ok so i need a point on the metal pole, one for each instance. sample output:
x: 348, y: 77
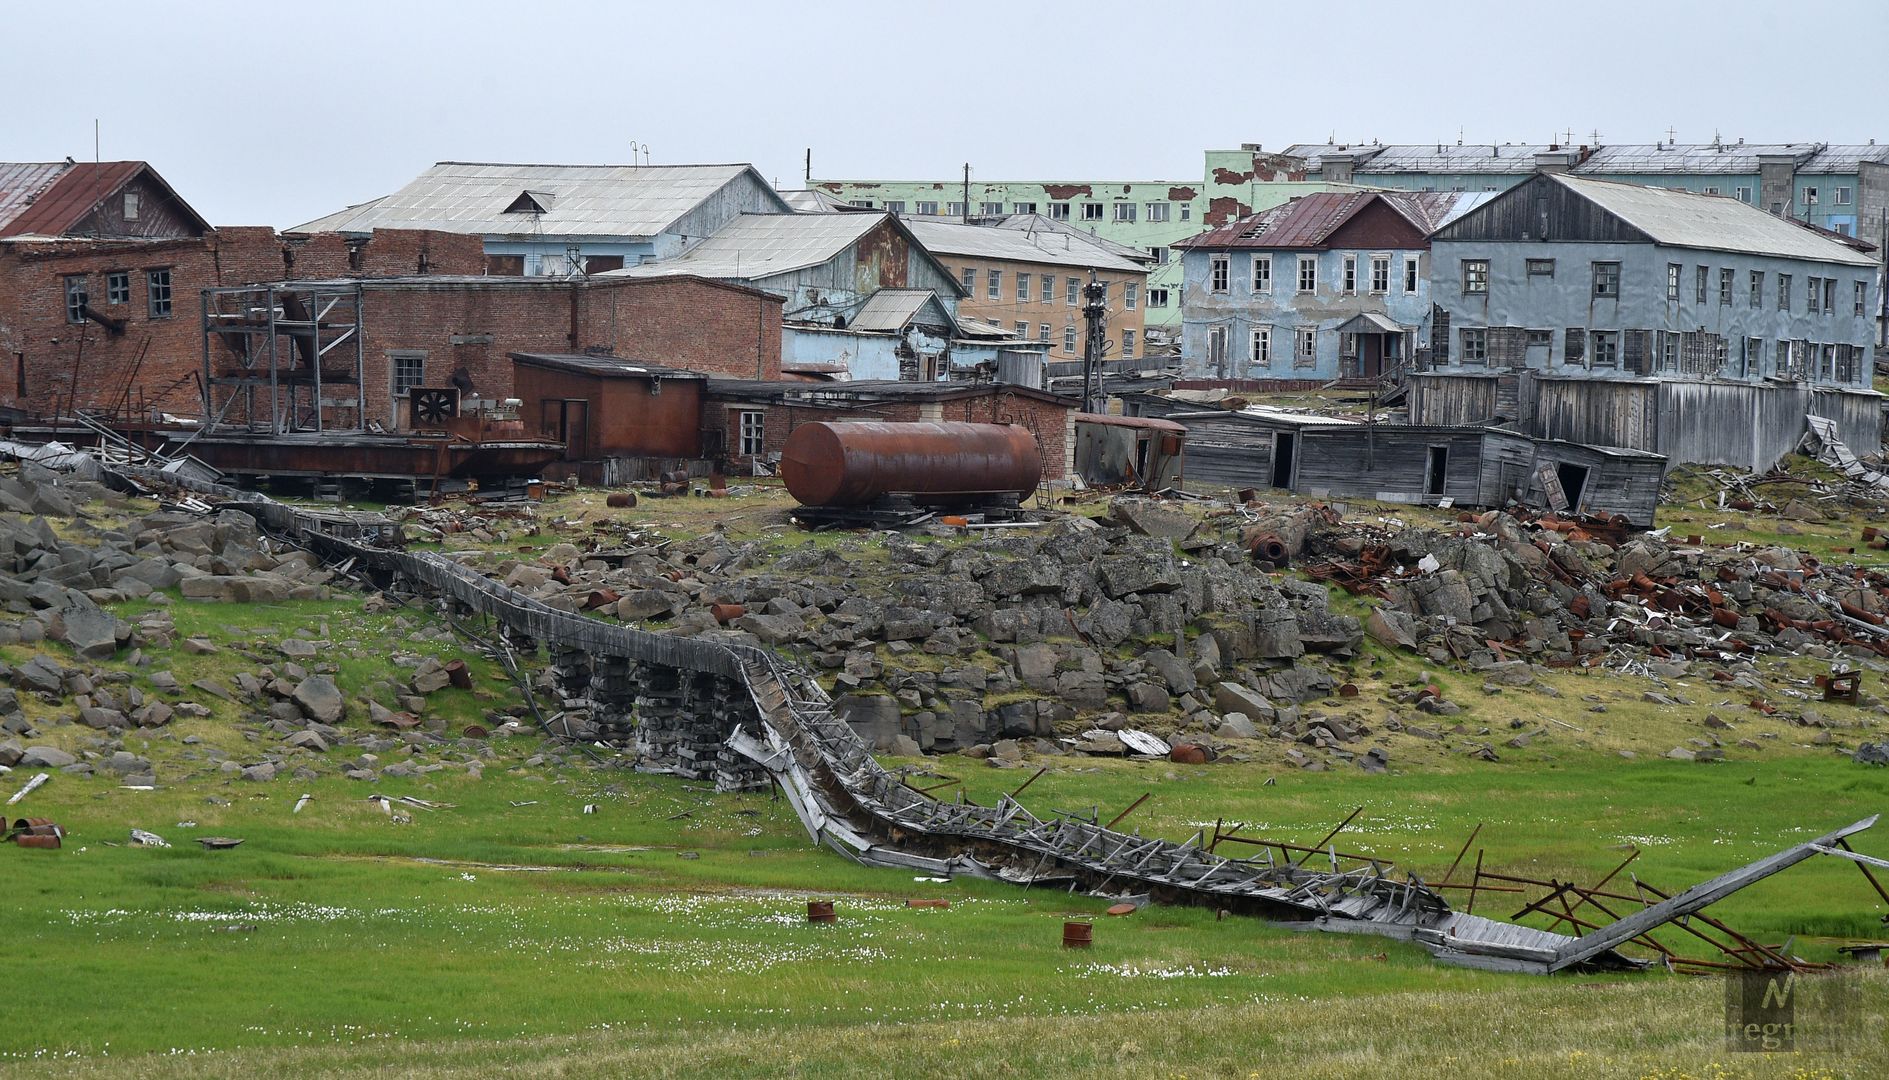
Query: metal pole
x: 275, y: 391
x: 203, y: 295
x: 1093, y: 315
x: 314, y: 333
x: 967, y: 193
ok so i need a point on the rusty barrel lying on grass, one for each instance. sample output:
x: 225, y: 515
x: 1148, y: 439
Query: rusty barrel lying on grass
x: 1078, y: 935
x: 821, y: 911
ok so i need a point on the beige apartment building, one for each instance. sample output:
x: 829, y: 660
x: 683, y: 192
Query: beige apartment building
x: 1029, y: 280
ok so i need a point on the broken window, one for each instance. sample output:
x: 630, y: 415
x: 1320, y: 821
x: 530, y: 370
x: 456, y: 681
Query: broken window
x: 1633, y: 350
x: 1072, y: 291
x: 1862, y: 298
x: 1606, y: 348
x: 1475, y: 346
x: 1022, y: 330
x: 1725, y: 276
x: 1059, y: 211
x: 1699, y: 274
x: 1092, y: 211
x: 1350, y: 266
x: 76, y: 298
x: 157, y: 291
x: 1157, y: 298
x: 118, y: 287
x: 926, y: 208
x: 1757, y: 288
x: 991, y: 209
x: 895, y: 206
x: 1540, y: 268
x: 1306, y: 352
x: 1575, y: 345
x: 1217, y: 274
x: 1157, y: 211
x: 1308, y: 273
x: 1262, y: 346
x: 751, y: 428
x: 1607, y: 279
x: 1830, y: 296
x: 1023, y: 207
x: 1475, y: 275
x: 954, y: 209
x: 1410, y: 273
x: 1128, y: 343
x: 1540, y: 339
x: 1783, y: 359
x: 1217, y: 349
x: 1124, y: 211
x: 1262, y: 273
x: 1784, y: 292
x: 970, y: 280
x: 1672, y: 281
x: 131, y: 206
x: 1751, y: 360
x: 1380, y: 273
x: 1813, y: 292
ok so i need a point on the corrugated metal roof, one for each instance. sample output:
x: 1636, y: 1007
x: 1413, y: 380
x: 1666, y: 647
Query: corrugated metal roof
x: 1687, y: 159
x: 1626, y: 159
x: 1711, y: 222
x: 987, y: 242
x: 1308, y: 221
x: 1039, y: 224
x: 614, y: 201
x: 756, y: 246
x: 21, y: 182
x: 1845, y: 158
x: 74, y: 193
x: 809, y: 201
x: 892, y: 309
x: 608, y: 366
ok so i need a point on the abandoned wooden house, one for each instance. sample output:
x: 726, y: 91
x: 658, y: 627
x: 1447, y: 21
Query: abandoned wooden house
x: 1696, y: 326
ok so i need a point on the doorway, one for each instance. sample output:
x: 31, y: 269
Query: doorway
x: 1436, y: 470
x: 1282, y: 450
x: 1573, y: 482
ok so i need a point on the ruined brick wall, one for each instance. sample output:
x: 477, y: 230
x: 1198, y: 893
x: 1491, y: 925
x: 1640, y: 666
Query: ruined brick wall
x: 685, y: 323
x: 49, y: 364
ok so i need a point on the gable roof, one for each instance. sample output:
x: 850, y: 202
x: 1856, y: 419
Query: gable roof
x: 755, y: 246
x: 1309, y: 221
x: 1676, y: 218
x: 1014, y: 245
x: 894, y: 309
x: 1039, y: 223
x: 51, y: 199
x: 601, y: 201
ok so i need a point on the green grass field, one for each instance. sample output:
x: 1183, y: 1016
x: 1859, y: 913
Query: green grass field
x: 510, y: 932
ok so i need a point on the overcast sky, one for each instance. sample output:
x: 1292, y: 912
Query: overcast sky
x: 274, y: 113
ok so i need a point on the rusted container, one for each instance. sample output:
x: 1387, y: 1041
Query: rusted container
x: 31, y: 840
x: 620, y: 500
x: 726, y: 613
x: 821, y: 911
x: 857, y: 462
x: 927, y: 903
x: 1078, y: 935
x: 459, y: 674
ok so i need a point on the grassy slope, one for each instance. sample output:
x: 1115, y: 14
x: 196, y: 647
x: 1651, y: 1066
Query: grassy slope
x: 367, y: 942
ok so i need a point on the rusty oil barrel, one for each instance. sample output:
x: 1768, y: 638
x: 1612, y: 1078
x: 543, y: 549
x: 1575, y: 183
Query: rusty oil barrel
x: 854, y: 463
x: 1078, y: 935
x: 821, y: 911
x: 620, y: 500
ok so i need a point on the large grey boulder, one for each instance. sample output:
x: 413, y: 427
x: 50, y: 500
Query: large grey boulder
x: 320, y: 699
x: 45, y: 757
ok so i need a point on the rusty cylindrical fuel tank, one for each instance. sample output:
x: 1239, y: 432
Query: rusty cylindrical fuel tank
x: 856, y: 462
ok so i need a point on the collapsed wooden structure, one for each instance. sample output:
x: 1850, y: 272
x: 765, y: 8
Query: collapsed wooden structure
x: 736, y: 713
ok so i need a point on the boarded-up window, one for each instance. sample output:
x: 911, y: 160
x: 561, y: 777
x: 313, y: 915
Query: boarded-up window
x: 1634, y: 356
x: 1508, y: 346
x: 1576, y: 344
x: 505, y: 265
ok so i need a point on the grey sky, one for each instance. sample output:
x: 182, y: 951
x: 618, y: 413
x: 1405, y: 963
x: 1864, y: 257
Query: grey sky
x: 276, y: 113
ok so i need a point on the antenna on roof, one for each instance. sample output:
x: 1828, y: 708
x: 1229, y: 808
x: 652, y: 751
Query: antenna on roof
x: 95, y: 158
x: 1671, y: 134
x: 1459, y: 135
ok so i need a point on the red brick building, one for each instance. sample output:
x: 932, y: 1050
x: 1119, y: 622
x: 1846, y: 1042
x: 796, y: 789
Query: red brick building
x: 101, y: 265
x: 746, y: 420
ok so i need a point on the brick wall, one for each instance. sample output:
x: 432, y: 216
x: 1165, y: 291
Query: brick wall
x: 49, y: 364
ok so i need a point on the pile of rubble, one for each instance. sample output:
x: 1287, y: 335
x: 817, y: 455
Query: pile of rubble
x: 1012, y: 634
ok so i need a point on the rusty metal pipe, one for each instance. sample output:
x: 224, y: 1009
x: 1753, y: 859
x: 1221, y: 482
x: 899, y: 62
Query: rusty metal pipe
x: 854, y: 463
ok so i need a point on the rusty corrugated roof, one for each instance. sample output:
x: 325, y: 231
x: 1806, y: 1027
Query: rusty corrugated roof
x: 75, y: 194
x: 22, y: 182
x: 1308, y: 222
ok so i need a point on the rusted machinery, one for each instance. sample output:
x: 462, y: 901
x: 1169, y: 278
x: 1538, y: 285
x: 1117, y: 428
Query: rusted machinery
x: 856, y: 464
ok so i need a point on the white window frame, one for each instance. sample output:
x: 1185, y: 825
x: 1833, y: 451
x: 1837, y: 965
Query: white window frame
x: 1413, y: 273
x: 1157, y: 211
x: 1023, y: 288
x: 1072, y: 291
x: 1305, y: 347
x: 1092, y: 211
x: 1218, y: 273
x: 926, y: 207
x: 990, y: 209
x: 1049, y: 289
x: 1069, y: 338
x: 1261, y: 345
x: 969, y: 278
x: 1059, y: 211
x: 1348, y: 273
x: 1840, y: 197
x: 1308, y: 270
x: 1042, y: 332
x: 1380, y: 273
x: 1128, y: 343
x: 751, y: 432
x: 1475, y: 277
x: 1262, y: 273
x: 994, y: 284
x: 1023, y: 207
x: 1157, y: 298
x: 1131, y: 292
x: 1125, y: 212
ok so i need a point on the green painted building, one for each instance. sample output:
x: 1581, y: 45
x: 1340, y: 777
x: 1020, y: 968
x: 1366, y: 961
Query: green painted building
x: 1147, y: 215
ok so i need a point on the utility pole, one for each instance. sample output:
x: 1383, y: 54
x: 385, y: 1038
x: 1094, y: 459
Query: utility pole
x: 1095, y: 316
x: 967, y: 193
